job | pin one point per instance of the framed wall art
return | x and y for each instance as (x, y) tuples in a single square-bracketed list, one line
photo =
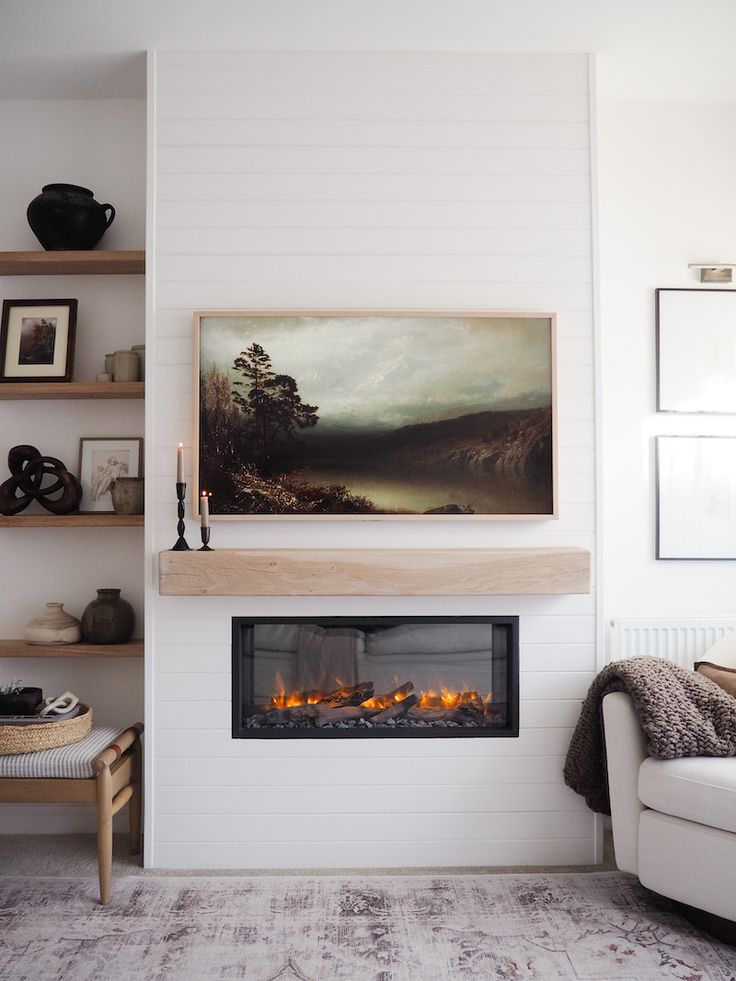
[(696, 350), (37, 340), (696, 497), (390, 415), (102, 460)]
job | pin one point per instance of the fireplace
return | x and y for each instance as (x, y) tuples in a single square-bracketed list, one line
[(368, 677)]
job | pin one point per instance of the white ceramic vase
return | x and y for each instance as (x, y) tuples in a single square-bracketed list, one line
[(53, 627)]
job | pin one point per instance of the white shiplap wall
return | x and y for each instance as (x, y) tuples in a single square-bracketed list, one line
[(367, 181)]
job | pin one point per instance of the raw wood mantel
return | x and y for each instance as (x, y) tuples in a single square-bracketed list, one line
[(375, 572)]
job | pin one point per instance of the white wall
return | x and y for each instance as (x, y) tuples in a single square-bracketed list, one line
[(100, 145), (370, 181), (667, 197), (665, 155)]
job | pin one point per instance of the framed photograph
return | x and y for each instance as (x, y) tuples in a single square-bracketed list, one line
[(696, 350), (102, 460), (37, 340), (329, 415), (696, 497)]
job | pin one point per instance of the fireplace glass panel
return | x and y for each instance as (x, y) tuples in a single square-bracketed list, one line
[(390, 676)]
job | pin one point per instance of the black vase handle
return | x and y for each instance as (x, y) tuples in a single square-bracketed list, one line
[(108, 221)]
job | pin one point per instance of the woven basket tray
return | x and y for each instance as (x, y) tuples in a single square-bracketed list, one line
[(45, 735)]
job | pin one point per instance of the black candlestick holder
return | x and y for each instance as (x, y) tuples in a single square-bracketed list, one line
[(181, 545), (205, 532)]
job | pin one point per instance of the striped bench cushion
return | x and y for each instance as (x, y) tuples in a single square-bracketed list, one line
[(72, 762)]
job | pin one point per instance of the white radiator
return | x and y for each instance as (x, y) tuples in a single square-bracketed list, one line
[(680, 641)]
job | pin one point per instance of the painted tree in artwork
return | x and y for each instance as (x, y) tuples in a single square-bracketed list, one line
[(220, 420), (271, 404), (38, 346)]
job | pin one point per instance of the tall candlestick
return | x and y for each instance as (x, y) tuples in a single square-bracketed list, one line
[(180, 464), (204, 509)]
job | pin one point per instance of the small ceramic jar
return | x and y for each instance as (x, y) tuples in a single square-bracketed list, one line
[(140, 350), (127, 495), (125, 366)]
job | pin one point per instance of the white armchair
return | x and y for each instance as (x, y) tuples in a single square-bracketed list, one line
[(674, 821)]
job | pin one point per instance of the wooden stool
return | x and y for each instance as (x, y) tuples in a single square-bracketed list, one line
[(84, 773)]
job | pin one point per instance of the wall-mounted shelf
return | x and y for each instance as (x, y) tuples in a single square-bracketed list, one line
[(19, 648), (375, 572), (71, 520), (88, 263), (71, 390)]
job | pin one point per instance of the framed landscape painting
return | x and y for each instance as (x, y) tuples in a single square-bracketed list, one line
[(37, 340), (327, 415)]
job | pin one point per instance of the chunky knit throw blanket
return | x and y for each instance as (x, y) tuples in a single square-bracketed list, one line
[(681, 713)]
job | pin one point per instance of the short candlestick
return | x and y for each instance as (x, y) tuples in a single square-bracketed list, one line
[(205, 532)]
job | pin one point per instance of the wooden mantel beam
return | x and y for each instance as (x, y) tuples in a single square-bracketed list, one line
[(375, 572)]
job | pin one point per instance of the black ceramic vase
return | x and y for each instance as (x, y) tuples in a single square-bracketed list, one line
[(109, 619), (65, 217)]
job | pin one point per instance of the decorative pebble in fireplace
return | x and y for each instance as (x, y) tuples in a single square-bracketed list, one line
[(339, 677)]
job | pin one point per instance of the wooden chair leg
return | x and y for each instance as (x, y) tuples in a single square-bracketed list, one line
[(104, 832), (136, 801)]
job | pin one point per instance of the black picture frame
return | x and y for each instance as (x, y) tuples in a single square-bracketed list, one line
[(53, 353)]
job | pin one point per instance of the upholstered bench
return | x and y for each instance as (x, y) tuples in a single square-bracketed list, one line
[(105, 768)]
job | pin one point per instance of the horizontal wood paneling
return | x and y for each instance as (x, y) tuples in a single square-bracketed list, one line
[(380, 854), (218, 750), (350, 799), (371, 181), (487, 215), (434, 825), (217, 240)]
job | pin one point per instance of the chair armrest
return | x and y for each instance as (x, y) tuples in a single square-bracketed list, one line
[(625, 752)]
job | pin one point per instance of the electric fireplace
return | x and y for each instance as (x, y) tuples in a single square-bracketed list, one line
[(368, 677)]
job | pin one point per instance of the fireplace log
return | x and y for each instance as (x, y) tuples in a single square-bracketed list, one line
[(303, 713), (278, 717), (437, 714), (406, 689), (395, 710), (348, 695), (377, 703), (431, 714), (471, 700), (298, 713), (340, 713)]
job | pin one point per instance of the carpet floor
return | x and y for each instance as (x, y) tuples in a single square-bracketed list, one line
[(596, 927)]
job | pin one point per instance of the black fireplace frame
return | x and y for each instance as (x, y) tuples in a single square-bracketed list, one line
[(241, 637)]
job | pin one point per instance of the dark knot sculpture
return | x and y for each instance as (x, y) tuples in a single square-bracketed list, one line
[(30, 471)]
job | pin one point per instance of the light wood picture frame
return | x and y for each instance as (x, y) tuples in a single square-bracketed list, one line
[(696, 497), (696, 350), (102, 459), (377, 415)]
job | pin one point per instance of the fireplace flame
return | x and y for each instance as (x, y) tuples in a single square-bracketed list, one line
[(384, 701), (442, 699)]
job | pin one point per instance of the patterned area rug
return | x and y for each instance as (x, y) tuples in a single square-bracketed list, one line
[(596, 927)]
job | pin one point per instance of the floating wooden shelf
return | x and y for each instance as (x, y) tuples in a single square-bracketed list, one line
[(71, 520), (19, 648), (375, 572), (33, 391), (91, 263)]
